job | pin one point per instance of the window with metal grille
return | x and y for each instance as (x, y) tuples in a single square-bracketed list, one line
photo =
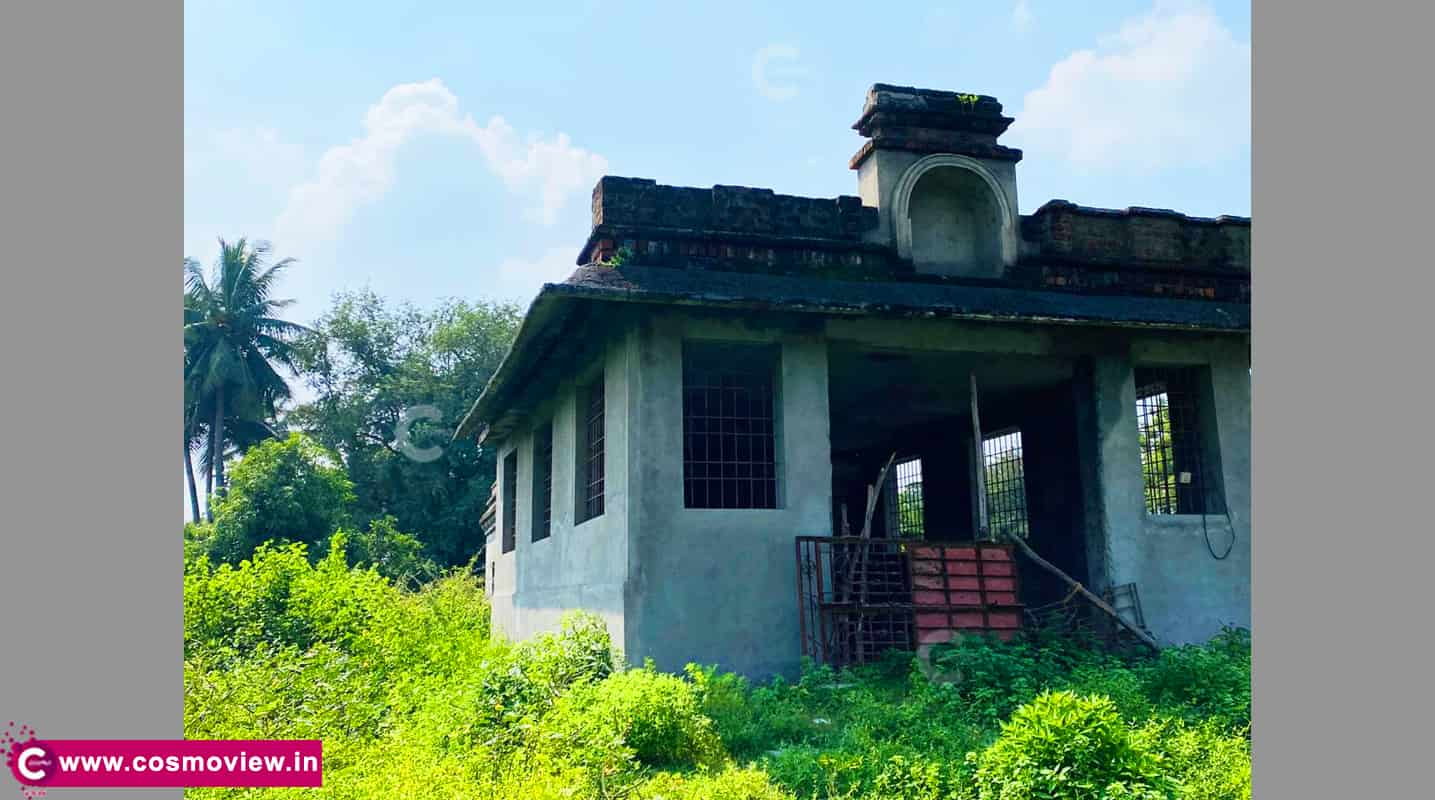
[(729, 426), (906, 498), (1173, 459), (510, 501), (1005, 478), (591, 437), (543, 482)]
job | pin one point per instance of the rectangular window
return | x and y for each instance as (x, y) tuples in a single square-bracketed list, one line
[(907, 514), (1005, 477), (1179, 476), (543, 482), (591, 434), (510, 501), (729, 426)]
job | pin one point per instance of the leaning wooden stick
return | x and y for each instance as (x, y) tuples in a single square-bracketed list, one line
[(1077, 587)]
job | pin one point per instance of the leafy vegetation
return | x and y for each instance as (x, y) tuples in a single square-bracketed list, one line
[(387, 375), (389, 384), (289, 487), (414, 697)]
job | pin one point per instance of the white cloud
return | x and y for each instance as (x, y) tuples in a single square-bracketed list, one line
[(1021, 16), (352, 175), (1169, 88), (519, 279), (773, 69)]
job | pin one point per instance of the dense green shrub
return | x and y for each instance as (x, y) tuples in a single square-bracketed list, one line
[(1067, 747), (652, 714), (394, 554), (728, 784), (1207, 760), (994, 677), (414, 698), (289, 490), (580, 652), (725, 698), (1205, 681), (277, 598), (904, 778)]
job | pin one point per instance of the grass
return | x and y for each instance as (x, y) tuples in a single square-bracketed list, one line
[(414, 696)]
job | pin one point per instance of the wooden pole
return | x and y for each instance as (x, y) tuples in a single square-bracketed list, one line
[(1076, 585), (979, 453)]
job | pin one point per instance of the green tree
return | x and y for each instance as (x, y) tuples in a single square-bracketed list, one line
[(289, 489), (370, 363), (233, 341)]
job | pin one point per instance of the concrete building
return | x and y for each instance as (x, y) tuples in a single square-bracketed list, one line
[(729, 368)]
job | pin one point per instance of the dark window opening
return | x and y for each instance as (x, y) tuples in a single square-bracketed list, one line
[(591, 434), (1176, 473), (729, 426), (543, 482), (510, 501), (1005, 478)]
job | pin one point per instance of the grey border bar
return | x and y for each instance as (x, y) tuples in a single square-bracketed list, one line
[(91, 621)]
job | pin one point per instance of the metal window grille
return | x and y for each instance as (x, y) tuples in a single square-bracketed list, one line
[(729, 426), (593, 440), (543, 482), (911, 519), (1171, 459), (1005, 483), (510, 501)]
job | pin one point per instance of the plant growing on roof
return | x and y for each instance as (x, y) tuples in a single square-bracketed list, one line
[(623, 256)]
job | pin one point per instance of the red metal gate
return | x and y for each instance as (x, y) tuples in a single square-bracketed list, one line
[(859, 597)]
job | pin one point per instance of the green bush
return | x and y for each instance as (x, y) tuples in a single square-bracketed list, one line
[(394, 554), (1065, 746), (651, 714), (994, 677), (278, 598), (729, 784), (725, 699), (1203, 681), (904, 778), (288, 490), (580, 652), (1207, 760)]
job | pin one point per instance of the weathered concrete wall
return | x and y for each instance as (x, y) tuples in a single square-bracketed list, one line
[(1186, 594), (576, 567), (718, 586), (956, 225), (888, 177)]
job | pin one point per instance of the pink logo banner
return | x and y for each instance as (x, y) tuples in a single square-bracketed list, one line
[(166, 763)]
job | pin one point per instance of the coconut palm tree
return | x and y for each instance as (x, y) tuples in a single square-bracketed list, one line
[(193, 436), (234, 341)]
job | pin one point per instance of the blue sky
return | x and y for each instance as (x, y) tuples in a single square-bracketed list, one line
[(449, 149)]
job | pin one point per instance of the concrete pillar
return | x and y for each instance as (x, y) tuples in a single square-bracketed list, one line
[(1111, 465)]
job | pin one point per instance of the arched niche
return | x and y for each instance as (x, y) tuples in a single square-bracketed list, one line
[(953, 218)]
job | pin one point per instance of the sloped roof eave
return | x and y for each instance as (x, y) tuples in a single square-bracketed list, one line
[(744, 291)]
